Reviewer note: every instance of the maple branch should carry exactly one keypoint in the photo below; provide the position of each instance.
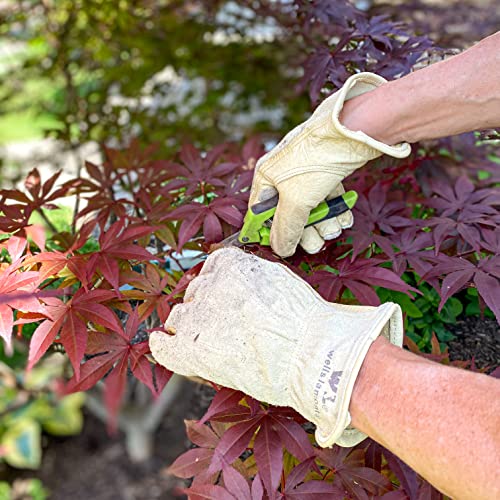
(47, 220)
(157, 410)
(176, 261)
(139, 422)
(462, 254)
(77, 200)
(129, 179)
(50, 282)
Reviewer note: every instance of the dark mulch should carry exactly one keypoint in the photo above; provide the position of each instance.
(95, 466)
(477, 339)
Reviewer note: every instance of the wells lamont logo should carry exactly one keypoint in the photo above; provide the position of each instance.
(327, 385)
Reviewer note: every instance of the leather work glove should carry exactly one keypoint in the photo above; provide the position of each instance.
(308, 165)
(255, 326)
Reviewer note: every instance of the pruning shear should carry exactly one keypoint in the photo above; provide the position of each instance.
(257, 223)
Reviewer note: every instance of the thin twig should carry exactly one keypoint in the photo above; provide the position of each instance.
(46, 219)
(177, 262)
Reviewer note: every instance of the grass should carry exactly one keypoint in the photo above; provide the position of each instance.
(24, 125)
(20, 119)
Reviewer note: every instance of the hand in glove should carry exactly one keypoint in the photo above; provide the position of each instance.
(308, 165)
(255, 326)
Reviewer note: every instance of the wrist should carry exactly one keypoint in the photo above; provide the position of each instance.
(375, 372)
(375, 114)
(362, 101)
(369, 378)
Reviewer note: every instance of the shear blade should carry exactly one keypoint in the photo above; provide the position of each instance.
(232, 241)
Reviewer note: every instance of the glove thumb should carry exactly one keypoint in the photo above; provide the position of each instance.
(262, 189)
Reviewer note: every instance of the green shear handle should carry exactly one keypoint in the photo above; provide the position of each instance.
(257, 219)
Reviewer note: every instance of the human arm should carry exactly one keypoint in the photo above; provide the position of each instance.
(459, 94)
(442, 421)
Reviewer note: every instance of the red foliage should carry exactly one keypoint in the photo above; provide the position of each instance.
(286, 469)
(113, 353)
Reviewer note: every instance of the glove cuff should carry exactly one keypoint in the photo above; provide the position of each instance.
(356, 85)
(328, 362)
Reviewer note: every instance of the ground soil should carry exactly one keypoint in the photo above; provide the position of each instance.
(477, 339)
(95, 466)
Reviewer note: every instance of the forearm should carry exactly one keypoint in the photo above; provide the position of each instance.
(444, 422)
(456, 95)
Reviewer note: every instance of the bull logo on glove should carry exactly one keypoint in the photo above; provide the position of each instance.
(327, 384)
(333, 383)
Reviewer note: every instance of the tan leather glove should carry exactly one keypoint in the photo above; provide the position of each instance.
(308, 165)
(255, 326)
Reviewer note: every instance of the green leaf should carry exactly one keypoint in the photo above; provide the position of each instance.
(20, 444)
(444, 335)
(472, 308)
(330, 270)
(425, 340)
(67, 418)
(421, 323)
(5, 491)
(483, 175)
(36, 410)
(36, 490)
(41, 375)
(414, 336)
(408, 305)
(60, 217)
(451, 310)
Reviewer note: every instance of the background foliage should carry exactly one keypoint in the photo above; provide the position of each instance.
(194, 80)
(202, 72)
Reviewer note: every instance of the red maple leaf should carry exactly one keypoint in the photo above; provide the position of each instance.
(151, 289)
(274, 427)
(199, 170)
(69, 321)
(18, 292)
(39, 195)
(462, 210)
(375, 217)
(51, 263)
(350, 475)
(116, 243)
(413, 248)
(114, 353)
(332, 275)
(458, 272)
(194, 215)
(296, 488)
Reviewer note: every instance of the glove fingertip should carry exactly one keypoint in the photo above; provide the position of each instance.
(161, 346)
(311, 240)
(346, 220)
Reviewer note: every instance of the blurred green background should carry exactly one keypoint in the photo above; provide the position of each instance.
(103, 71)
(85, 72)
